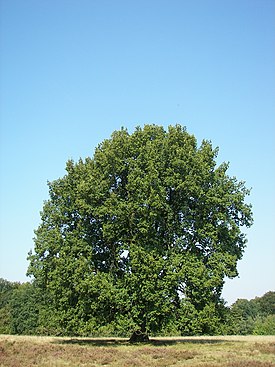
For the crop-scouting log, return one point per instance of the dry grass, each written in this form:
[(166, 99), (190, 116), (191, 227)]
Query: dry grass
[(18, 351)]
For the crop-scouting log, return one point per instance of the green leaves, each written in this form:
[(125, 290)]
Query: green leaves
[(256, 316), (147, 221)]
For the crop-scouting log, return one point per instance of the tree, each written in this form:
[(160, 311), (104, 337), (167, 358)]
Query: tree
[(255, 316), (24, 310), (148, 225), (243, 316), (265, 325), (6, 291), (266, 303)]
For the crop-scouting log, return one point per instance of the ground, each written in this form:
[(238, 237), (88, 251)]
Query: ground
[(223, 351)]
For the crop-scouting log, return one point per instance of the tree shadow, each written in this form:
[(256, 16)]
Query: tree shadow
[(186, 340), (116, 342), (96, 342)]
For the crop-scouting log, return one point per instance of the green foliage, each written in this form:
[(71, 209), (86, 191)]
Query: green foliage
[(6, 291), (265, 325), (253, 317), (146, 229), (24, 310), (266, 304), (5, 320), (206, 321), (243, 314)]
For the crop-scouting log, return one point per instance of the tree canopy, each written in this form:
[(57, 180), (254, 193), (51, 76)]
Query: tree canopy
[(142, 233)]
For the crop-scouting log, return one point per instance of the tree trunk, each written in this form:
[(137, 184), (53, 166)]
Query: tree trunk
[(139, 336)]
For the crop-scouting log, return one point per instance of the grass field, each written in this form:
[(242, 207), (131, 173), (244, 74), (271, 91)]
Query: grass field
[(226, 351)]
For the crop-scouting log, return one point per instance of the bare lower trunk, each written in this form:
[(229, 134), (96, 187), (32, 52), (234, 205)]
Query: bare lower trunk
[(139, 336)]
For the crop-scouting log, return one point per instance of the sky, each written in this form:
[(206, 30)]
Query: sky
[(73, 71)]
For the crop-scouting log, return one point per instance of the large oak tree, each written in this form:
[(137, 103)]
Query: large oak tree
[(142, 233)]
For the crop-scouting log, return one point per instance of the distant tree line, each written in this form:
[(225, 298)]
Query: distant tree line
[(24, 311)]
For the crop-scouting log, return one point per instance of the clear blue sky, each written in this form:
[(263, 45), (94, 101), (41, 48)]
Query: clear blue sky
[(73, 71)]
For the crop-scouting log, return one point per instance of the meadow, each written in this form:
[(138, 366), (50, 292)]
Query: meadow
[(223, 351)]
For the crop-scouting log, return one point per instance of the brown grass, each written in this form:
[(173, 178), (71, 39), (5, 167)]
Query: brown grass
[(18, 351)]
